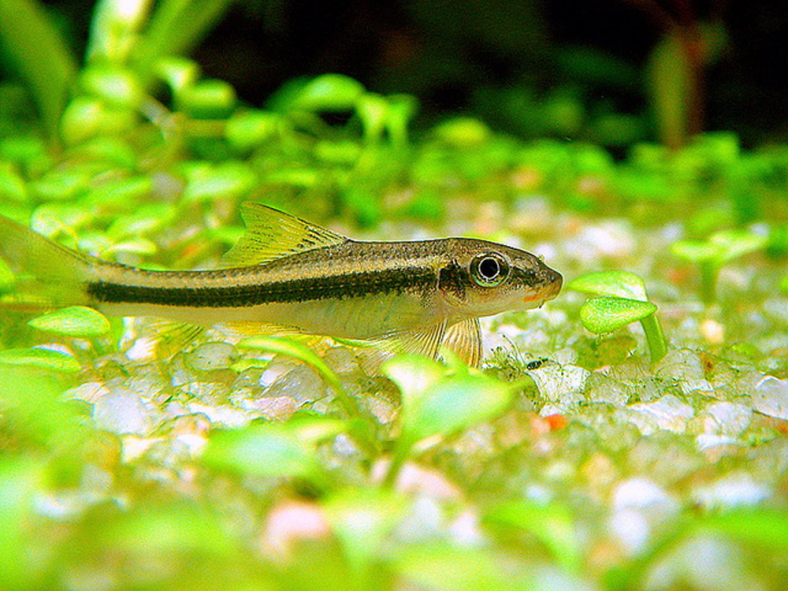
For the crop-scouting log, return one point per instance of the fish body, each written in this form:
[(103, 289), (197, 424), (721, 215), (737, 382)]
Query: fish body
[(292, 274)]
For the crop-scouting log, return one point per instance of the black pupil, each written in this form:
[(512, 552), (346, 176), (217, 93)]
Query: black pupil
[(489, 268)]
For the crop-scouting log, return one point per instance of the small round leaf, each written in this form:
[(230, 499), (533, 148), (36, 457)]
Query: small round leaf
[(455, 403), (329, 92), (606, 314), (262, 450), (41, 358), (622, 284), (76, 321), (695, 251)]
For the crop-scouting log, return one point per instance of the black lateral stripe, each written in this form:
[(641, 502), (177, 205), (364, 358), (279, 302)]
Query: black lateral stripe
[(353, 285)]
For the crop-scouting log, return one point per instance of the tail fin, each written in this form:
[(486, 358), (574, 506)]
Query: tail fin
[(61, 272)]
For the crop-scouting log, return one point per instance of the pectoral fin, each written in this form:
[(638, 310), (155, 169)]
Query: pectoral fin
[(272, 234), (464, 339), (421, 341), (172, 337)]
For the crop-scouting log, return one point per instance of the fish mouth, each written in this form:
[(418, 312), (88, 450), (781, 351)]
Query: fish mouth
[(548, 292)]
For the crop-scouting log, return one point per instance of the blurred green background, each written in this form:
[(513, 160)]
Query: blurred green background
[(591, 63)]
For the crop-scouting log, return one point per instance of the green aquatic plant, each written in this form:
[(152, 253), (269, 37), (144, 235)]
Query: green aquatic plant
[(125, 46), (362, 519), (744, 528), (621, 300), (266, 449), (552, 524), (75, 321), (323, 135), (713, 253), (290, 347), (40, 55), (438, 402), (41, 358)]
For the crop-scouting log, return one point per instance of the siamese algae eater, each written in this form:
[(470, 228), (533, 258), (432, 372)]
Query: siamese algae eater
[(417, 295)]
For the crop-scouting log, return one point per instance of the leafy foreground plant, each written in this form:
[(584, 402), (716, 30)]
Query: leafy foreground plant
[(712, 254), (622, 301), (437, 403)]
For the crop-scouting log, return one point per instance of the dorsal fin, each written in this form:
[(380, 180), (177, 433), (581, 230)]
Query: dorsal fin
[(271, 234)]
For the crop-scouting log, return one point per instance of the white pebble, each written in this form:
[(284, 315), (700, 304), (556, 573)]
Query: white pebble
[(725, 418), (640, 493), (121, 412), (770, 397), (557, 382), (736, 489), (669, 413)]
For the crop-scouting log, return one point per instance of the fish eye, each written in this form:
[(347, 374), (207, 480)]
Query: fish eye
[(489, 269)]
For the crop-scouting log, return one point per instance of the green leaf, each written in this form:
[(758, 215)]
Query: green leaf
[(230, 181), (62, 184), (160, 531), (414, 376), (249, 129), (314, 428), (768, 527), (329, 92), (115, 29), (20, 483), (462, 132), (695, 251), (32, 405), (454, 403), (117, 86), (292, 348), (401, 109), (552, 524), (736, 243), (178, 72), (622, 284), (124, 193), (670, 83), (262, 450), (362, 519), (7, 278), (41, 358), (146, 219), (12, 185), (207, 99), (175, 27), (76, 321), (372, 109), (721, 247), (33, 45), (445, 568), (606, 314), (88, 117)]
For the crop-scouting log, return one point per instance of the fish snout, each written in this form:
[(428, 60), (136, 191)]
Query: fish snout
[(553, 283)]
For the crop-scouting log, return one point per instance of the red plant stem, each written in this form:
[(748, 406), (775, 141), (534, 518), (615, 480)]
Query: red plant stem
[(690, 39)]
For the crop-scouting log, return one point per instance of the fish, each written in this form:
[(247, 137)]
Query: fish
[(291, 275)]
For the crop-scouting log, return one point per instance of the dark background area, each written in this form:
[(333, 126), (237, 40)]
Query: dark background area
[(472, 56)]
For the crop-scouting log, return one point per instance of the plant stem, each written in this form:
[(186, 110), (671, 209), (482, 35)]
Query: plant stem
[(654, 337), (396, 464), (708, 281)]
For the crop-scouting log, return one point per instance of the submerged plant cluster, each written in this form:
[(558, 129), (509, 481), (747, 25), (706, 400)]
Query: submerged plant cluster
[(635, 439)]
